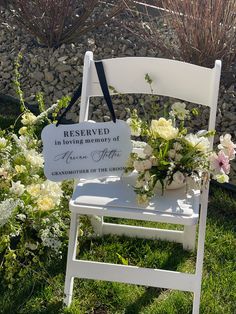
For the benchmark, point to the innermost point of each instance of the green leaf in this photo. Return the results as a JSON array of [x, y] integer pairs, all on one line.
[[123, 260]]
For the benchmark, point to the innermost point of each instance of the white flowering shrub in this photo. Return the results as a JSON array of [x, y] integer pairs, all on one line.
[[32, 214]]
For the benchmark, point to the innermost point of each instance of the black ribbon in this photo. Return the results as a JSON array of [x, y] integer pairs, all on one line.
[[76, 95], [105, 91], [104, 87]]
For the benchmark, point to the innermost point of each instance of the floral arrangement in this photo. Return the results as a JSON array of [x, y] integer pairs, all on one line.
[[168, 155], [33, 220]]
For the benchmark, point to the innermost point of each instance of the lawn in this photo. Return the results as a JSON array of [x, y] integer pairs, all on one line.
[[219, 277]]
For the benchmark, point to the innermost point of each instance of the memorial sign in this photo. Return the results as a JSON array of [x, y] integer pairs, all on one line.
[[86, 150]]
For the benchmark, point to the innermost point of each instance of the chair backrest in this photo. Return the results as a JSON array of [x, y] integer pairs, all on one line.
[[171, 78]]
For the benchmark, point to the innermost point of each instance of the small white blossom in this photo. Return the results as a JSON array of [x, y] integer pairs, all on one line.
[[177, 146], [178, 157], [178, 177], [139, 166], [32, 246], [3, 142], [23, 130], [221, 178], [134, 127], [17, 188], [178, 109], [172, 153], [148, 150], [147, 164], [20, 168]]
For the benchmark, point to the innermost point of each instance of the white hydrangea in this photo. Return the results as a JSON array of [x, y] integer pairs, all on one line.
[[6, 208], [50, 237]]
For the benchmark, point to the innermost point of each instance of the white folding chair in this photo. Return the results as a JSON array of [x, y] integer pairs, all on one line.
[[115, 197]]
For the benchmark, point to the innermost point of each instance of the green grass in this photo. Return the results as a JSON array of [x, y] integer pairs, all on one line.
[[218, 285]]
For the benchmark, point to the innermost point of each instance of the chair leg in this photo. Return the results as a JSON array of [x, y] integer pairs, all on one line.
[[69, 280], [189, 237], [196, 301]]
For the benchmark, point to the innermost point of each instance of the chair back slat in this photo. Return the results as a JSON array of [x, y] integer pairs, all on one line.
[[170, 78]]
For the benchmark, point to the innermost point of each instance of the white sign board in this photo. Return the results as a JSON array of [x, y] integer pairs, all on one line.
[[85, 150]]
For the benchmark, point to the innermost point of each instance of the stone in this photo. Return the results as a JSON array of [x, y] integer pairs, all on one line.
[[38, 76], [6, 75], [63, 68], [49, 77], [62, 59]]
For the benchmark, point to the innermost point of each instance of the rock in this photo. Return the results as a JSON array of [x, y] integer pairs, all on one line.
[[62, 59], [49, 77], [38, 76], [6, 75], [63, 68]]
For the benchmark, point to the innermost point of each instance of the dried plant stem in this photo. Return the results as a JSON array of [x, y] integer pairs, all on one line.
[[53, 22]]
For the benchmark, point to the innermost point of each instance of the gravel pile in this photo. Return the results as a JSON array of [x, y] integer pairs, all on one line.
[[57, 72]]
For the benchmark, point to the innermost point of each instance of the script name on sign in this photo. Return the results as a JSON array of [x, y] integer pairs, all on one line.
[[85, 150]]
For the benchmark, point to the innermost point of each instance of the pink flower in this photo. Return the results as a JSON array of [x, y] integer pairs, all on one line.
[[220, 163], [227, 146]]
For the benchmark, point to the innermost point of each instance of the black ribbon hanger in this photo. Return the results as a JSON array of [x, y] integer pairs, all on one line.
[[105, 90]]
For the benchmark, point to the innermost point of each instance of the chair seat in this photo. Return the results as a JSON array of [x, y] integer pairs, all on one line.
[[114, 197]]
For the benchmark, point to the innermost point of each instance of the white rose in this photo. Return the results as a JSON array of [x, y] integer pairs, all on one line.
[[200, 143], [17, 188], [53, 189], [45, 203], [34, 158], [163, 128], [34, 190], [28, 118]]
